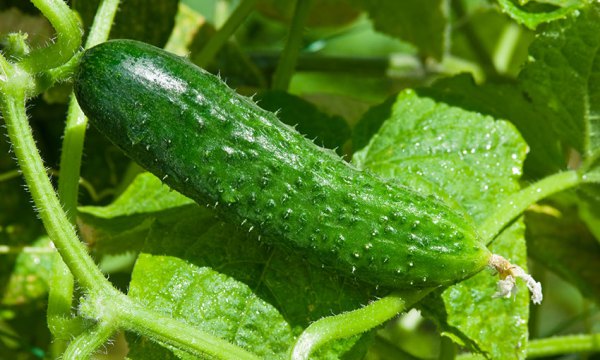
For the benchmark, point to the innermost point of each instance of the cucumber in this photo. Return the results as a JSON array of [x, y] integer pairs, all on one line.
[[221, 150]]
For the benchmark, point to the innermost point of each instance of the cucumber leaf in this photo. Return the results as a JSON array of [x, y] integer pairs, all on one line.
[[470, 156], [563, 78], [534, 13], [123, 225], [546, 155], [207, 299], [462, 153], [423, 23]]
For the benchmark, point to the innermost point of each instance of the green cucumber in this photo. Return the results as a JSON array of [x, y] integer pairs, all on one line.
[[220, 149]]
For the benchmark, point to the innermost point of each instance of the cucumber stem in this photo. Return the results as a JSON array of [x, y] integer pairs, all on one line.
[[72, 146], [86, 344], [60, 296], [353, 322], [516, 203], [563, 345], [289, 57], [506, 47], [50, 210], [68, 31]]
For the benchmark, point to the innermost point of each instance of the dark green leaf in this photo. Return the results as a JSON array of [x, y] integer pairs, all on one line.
[[563, 75], [133, 19], [423, 23], [370, 122], [558, 239]]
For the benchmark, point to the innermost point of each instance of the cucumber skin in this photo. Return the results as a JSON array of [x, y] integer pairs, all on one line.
[[220, 149]]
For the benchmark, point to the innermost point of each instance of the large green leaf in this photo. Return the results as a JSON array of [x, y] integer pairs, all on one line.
[[423, 23], [563, 77], [212, 302], [468, 155], [123, 225], [546, 155], [476, 160]]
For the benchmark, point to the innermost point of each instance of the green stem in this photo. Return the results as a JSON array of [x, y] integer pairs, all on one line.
[[353, 322], [5, 67], [86, 344], [369, 66], [563, 345], [219, 39], [506, 47], [9, 175], [102, 24], [515, 204], [61, 291], [287, 64], [57, 224], [591, 177], [68, 31], [474, 41], [48, 78], [72, 146], [135, 318], [70, 160]]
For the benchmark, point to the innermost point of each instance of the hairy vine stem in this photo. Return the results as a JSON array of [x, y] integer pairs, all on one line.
[[68, 32], [60, 297], [353, 322]]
